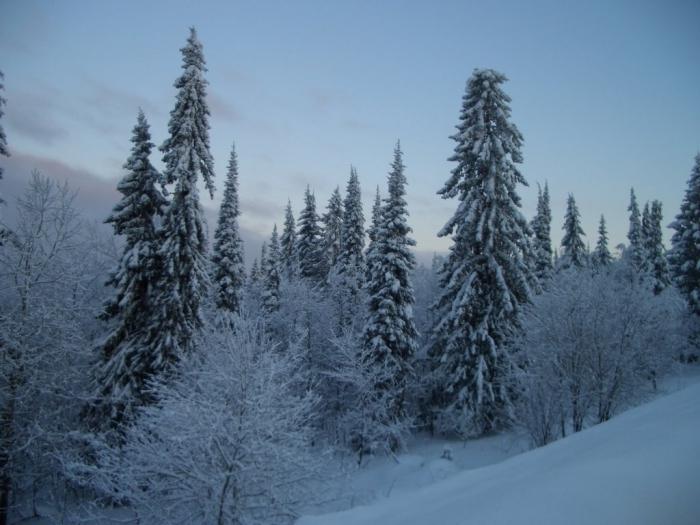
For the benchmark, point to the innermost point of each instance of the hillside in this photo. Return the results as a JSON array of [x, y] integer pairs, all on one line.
[[642, 467]]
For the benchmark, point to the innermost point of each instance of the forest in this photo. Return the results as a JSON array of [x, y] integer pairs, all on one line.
[[148, 376]]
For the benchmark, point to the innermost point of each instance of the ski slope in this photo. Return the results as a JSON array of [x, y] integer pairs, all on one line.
[[642, 467]]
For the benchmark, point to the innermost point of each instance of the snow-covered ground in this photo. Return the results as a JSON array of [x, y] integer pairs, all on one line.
[[642, 467]]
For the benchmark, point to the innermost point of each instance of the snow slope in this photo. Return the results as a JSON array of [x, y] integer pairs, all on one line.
[[642, 467]]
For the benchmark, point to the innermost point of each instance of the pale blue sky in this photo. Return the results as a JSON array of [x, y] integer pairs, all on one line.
[[607, 94]]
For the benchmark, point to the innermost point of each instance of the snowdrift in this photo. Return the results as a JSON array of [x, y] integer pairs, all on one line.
[[642, 467]]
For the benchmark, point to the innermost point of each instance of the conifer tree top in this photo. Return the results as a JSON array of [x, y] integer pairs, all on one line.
[[3, 138], [227, 258], [353, 236], [132, 216], [186, 151], [488, 147]]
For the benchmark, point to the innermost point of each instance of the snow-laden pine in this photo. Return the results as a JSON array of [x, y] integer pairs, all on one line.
[[573, 250], [486, 277], [332, 222], [271, 275], [635, 235], [127, 362], [184, 279], [3, 149], [288, 241], [227, 259], [542, 238], [389, 336], [685, 253], [601, 255], [655, 252], [3, 138], [309, 237], [372, 234], [353, 233]]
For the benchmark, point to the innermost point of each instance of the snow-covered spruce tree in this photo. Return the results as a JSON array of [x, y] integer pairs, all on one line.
[[127, 362], [309, 237], [271, 275], [254, 272], [542, 239], [353, 228], [227, 259], [332, 222], [573, 251], [646, 230], [347, 276], [685, 251], [601, 255], [486, 277], [288, 242], [372, 234], [389, 336], [635, 235], [655, 251], [3, 138], [3, 149], [184, 280]]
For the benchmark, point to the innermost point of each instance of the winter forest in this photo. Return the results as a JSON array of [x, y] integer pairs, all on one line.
[[149, 375]]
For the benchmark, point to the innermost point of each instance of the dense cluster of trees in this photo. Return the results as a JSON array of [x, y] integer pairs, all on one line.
[[190, 390]]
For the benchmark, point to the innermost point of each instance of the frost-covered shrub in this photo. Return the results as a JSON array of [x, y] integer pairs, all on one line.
[[365, 421], [227, 442], [594, 343], [51, 272]]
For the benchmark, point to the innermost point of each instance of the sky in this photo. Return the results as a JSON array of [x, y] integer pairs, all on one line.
[[606, 94]]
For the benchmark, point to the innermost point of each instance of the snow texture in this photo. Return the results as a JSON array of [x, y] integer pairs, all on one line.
[[641, 467]]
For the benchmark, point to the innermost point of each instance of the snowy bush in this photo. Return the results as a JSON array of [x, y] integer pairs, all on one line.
[[594, 343], [366, 420], [51, 274], [227, 442]]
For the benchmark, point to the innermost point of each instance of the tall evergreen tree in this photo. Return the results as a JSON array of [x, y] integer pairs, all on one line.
[[332, 222], [349, 272], [288, 241], [685, 251], [126, 361], [655, 251], [542, 240], [3, 138], [254, 272], [370, 256], [184, 280], [601, 254], [353, 234], [486, 276], [646, 225], [635, 234], [229, 270], [309, 238], [3, 152], [263, 260], [573, 250], [389, 335], [271, 275]]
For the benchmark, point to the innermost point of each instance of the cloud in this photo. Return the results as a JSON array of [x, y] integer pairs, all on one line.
[[221, 109], [96, 196], [36, 112], [31, 115], [108, 102]]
